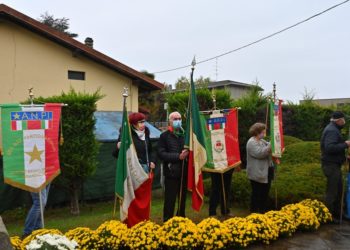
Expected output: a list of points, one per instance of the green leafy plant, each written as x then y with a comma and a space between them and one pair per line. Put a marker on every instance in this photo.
79, 150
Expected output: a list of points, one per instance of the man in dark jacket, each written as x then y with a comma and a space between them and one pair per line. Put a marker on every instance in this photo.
171, 151
333, 156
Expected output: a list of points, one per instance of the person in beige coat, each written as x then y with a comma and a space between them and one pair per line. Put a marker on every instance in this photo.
258, 163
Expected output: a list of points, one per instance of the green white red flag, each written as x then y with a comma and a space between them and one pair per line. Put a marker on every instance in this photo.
195, 142
133, 185
30, 142
222, 141
276, 128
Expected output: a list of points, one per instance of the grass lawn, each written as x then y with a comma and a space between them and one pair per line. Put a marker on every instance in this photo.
94, 214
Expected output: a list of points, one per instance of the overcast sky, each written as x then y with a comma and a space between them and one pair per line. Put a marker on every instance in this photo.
157, 35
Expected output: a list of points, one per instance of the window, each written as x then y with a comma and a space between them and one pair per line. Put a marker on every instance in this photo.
76, 75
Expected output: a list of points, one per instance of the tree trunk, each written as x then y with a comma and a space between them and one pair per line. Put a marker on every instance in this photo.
74, 197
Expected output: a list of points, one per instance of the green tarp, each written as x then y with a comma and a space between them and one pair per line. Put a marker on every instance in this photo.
100, 186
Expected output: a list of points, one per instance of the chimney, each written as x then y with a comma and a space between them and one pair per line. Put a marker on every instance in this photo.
89, 42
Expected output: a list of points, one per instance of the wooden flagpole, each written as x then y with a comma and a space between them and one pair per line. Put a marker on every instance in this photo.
125, 95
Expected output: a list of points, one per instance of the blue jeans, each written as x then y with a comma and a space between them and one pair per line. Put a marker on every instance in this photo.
33, 220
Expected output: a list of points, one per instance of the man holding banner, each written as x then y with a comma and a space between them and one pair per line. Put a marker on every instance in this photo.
171, 151
333, 156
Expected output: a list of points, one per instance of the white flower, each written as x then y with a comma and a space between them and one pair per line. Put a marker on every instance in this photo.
52, 241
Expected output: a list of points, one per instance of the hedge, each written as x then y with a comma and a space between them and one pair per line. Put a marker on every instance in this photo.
299, 176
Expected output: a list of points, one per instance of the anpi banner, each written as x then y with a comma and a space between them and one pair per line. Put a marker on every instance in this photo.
30, 144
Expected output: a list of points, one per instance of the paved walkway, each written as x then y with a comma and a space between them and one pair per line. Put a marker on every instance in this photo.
334, 237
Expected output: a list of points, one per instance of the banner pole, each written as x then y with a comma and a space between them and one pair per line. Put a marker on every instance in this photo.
41, 211
267, 114
274, 181
115, 206
181, 183
125, 95
344, 185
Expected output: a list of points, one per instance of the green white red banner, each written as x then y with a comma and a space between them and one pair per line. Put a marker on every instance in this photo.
276, 128
30, 142
222, 141
195, 142
133, 185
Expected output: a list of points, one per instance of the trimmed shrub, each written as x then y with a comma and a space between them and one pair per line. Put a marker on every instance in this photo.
289, 140
302, 153
295, 182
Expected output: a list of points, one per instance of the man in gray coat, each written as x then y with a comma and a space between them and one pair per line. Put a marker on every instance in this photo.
333, 156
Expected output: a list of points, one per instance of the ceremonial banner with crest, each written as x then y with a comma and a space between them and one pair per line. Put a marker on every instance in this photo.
276, 128
30, 143
222, 141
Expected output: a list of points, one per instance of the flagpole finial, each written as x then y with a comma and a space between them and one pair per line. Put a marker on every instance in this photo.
213, 96
31, 95
125, 92
193, 62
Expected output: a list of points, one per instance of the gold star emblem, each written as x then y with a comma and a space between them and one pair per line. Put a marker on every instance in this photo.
16, 116
35, 154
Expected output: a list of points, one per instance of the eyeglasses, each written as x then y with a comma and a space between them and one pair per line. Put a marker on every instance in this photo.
177, 119
143, 121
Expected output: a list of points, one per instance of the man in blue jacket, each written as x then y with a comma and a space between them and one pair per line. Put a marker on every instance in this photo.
333, 156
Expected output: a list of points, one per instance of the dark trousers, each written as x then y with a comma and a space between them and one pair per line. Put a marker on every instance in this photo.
216, 194
260, 193
171, 192
334, 187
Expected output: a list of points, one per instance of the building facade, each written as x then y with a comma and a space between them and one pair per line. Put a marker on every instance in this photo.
33, 55
336, 102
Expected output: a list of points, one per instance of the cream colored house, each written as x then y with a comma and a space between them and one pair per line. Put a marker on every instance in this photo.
337, 102
35, 55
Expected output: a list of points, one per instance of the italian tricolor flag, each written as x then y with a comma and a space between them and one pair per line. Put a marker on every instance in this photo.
30, 141
222, 141
195, 142
133, 185
276, 128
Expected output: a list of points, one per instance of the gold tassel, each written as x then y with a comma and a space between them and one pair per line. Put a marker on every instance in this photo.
61, 134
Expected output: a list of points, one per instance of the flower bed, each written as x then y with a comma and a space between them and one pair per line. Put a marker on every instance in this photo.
182, 233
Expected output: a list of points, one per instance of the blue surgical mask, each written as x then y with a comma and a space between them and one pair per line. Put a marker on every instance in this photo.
177, 124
